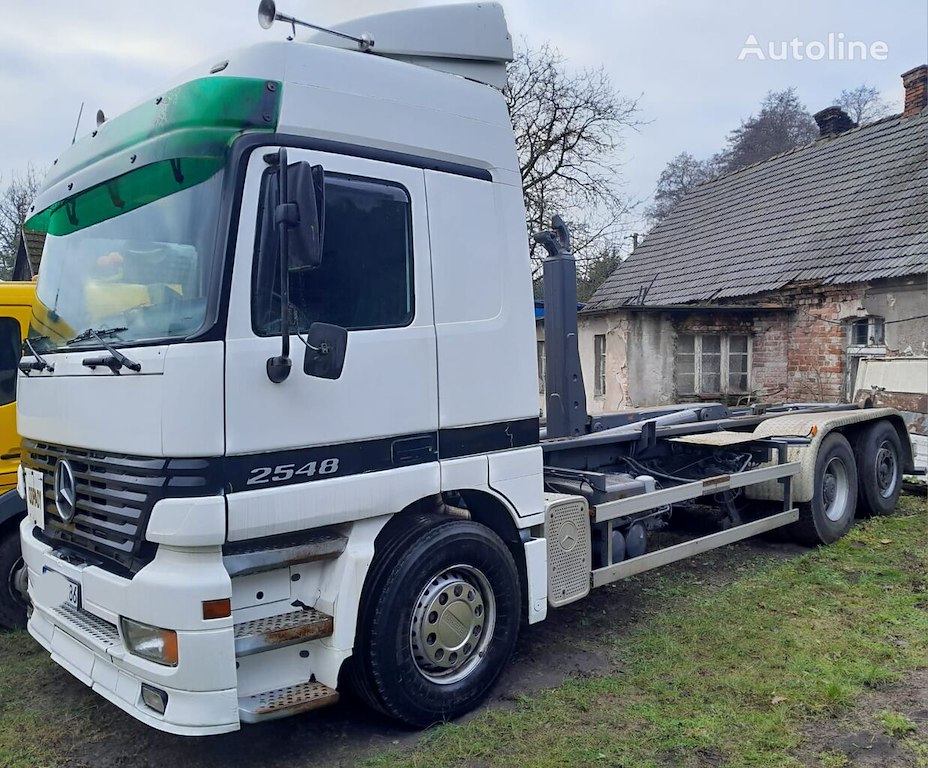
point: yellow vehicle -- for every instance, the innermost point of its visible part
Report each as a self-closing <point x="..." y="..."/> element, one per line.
<point x="15" y="313"/>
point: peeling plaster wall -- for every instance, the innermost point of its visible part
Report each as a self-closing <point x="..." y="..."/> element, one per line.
<point x="650" y="375"/>
<point x="615" y="327"/>
<point x="903" y="304"/>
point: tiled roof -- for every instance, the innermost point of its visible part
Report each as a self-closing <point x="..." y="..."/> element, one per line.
<point x="845" y="209"/>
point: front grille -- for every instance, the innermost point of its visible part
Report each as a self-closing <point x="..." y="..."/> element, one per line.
<point x="115" y="496"/>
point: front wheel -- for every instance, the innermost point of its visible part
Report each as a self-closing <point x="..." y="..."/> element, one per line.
<point x="12" y="577"/>
<point x="830" y="513"/>
<point x="439" y="623"/>
<point x="879" y="469"/>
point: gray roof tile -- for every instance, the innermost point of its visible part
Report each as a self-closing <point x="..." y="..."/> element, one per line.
<point x="847" y="209"/>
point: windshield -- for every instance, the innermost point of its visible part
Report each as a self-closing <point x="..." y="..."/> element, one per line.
<point x="133" y="256"/>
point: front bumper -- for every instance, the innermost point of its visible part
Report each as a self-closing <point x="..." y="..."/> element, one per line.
<point x="87" y="641"/>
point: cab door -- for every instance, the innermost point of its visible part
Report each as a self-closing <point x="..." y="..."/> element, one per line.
<point x="312" y="451"/>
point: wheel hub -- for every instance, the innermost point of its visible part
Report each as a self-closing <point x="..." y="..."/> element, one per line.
<point x="886" y="469"/>
<point x="452" y="624"/>
<point x="829" y="489"/>
<point x="835" y="490"/>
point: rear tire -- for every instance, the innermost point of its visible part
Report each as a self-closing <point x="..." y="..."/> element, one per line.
<point x="12" y="603"/>
<point x="438" y="621"/>
<point x="879" y="469"/>
<point x="834" y="494"/>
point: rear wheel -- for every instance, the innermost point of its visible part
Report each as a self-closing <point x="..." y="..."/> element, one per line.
<point x="438" y="623"/>
<point x="12" y="574"/>
<point x="879" y="469"/>
<point x="830" y="513"/>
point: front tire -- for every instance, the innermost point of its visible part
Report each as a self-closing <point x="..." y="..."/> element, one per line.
<point x="834" y="498"/>
<point x="12" y="602"/>
<point x="879" y="469"/>
<point x="438" y="623"/>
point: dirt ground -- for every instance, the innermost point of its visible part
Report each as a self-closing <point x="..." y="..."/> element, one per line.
<point x="861" y="737"/>
<point x="572" y="642"/>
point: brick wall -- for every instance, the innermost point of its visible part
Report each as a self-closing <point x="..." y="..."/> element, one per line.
<point x="818" y="339"/>
<point x="798" y="354"/>
<point x="801" y="355"/>
<point x="769" y="358"/>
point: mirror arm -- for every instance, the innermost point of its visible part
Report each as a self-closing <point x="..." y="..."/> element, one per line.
<point x="278" y="368"/>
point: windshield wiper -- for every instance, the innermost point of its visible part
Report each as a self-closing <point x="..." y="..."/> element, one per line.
<point x="116" y="359"/>
<point x="40" y="363"/>
<point x="90" y="333"/>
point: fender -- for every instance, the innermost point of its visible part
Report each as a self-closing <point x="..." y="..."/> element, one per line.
<point x="822" y="424"/>
<point x="12" y="507"/>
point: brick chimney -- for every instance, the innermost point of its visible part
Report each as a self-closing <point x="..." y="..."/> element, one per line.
<point x="915" y="82"/>
<point x="833" y="121"/>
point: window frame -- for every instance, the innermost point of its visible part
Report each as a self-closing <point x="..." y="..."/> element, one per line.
<point x="270" y="173"/>
<point x="724" y="366"/>
<point x="872" y="322"/>
<point x="542" y="365"/>
<point x="599" y="365"/>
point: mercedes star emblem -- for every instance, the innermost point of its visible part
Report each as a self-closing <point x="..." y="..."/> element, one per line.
<point x="65" y="490"/>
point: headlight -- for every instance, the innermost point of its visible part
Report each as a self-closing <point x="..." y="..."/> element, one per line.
<point x="152" y="643"/>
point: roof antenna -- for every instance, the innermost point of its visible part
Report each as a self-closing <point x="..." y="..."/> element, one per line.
<point x="267" y="15"/>
<point x="78" y="125"/>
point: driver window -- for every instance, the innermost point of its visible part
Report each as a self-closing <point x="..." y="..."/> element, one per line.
<point x="365" y="280"/>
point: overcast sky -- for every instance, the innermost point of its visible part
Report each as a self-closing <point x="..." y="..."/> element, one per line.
<point x="681" y="57"/>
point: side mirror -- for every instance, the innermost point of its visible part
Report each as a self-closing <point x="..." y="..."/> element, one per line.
<point x="299" y="217"/>
<point x="325" y="351"/>
<point x="306" y="189"/>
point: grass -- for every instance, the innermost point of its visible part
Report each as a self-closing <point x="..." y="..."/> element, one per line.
<point x="896" y="724"/>
<point x="721" y="675"/>
<point x="727" y="677"/>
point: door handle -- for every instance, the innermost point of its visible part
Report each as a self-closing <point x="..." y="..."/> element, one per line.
<point x="414" y="450"/>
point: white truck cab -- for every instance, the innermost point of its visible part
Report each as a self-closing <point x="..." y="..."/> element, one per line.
<point x="160" y="438"/>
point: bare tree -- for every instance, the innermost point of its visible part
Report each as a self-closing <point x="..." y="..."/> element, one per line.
<point x="14" y="207"/>
<point x="862" y="104"/>
<point x="782" y="124"/>
<point x="568" y="130"/>
<point x="679" y="176"/>
<point x="597" y="269"/>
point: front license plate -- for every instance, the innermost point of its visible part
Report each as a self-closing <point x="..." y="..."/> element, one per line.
<point x="74" y="594"/>
<point x="55" y="589"/>
<point x="34" y="483"/>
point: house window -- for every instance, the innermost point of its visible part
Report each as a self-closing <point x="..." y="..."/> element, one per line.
<point x="541" y="367"/>
<point x="712" y="364"/>
<point x="599" y="356"/>
<point x="867" y="332"/>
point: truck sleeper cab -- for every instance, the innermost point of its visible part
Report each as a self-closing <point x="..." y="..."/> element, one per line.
<point x="204" y="534"/>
